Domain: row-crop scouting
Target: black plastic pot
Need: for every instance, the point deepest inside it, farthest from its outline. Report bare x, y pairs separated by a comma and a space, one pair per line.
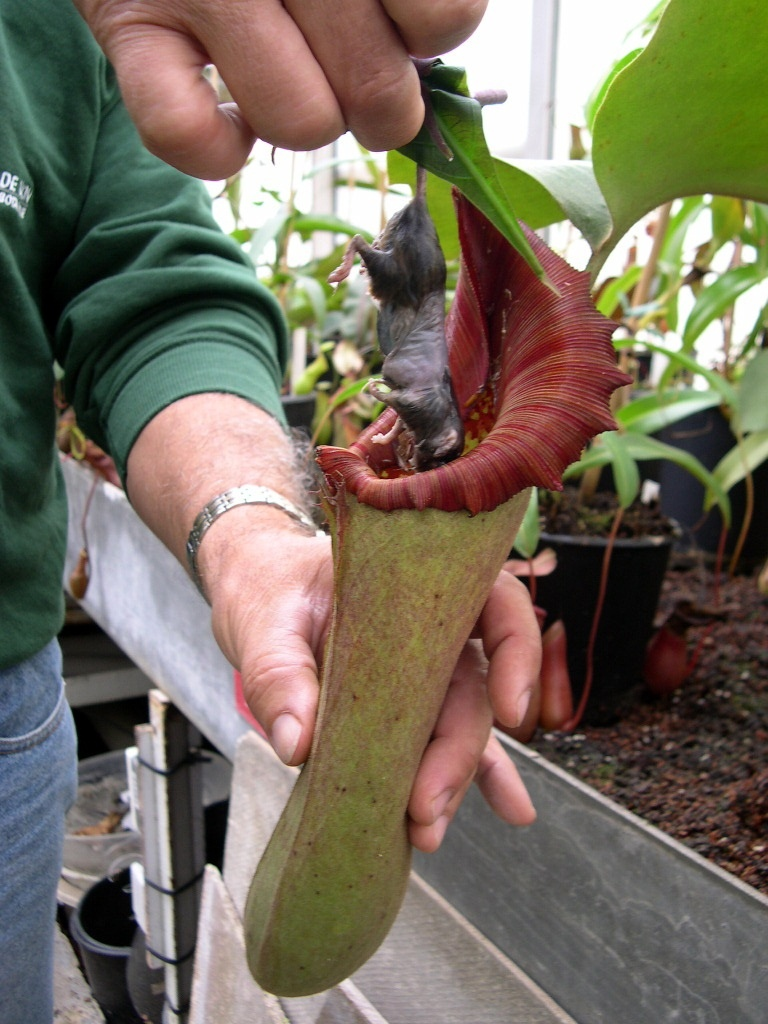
146, 985
299, 411
103, 927
570, 593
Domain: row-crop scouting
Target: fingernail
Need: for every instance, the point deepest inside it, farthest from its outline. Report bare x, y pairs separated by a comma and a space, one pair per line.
522, 707
440, 803
285, 736
440, 828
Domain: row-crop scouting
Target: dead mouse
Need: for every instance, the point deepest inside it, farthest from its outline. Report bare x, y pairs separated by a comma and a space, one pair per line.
407, 273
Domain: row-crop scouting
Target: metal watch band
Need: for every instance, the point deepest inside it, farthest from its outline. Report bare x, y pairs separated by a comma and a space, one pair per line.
248, 494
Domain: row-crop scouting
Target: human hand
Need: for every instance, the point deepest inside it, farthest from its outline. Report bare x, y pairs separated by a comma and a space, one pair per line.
278, 639
298, 72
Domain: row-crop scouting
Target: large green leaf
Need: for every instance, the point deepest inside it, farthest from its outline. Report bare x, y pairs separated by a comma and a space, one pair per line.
595, 101
548, 191
689, 115
544, 192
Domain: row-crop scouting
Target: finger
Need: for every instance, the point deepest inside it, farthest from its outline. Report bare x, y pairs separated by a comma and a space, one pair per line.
512, 643
368, 67
429, 29
275, 637
427, 836
174, 108
499, 781
452, 756
274, 74
280, 685
504, 791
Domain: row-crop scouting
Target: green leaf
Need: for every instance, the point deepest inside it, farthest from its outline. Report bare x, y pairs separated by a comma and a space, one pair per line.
686, 116
269, 232
743, 458
671, 257
471, 168
592, 105
643, 448
315, 295
594, 458
754, 338
527, 539
652, 413
716, 298
601, 453
534, 203
685, 213
241, 235
617, 292
545, 192
756, 231
727, 219
312, 374
626, 475
620, 449
306, 224
548, 191
753, 394
715, 380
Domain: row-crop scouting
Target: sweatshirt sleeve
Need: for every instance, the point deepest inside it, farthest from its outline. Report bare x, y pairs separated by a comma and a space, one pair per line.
156, 302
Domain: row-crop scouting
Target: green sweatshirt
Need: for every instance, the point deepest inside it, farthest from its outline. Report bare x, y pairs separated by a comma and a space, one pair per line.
112, 266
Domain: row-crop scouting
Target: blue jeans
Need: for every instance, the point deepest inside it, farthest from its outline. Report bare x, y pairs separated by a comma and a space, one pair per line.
38, 782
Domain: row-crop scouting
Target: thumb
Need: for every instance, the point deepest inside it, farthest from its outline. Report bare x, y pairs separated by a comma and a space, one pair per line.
280, 686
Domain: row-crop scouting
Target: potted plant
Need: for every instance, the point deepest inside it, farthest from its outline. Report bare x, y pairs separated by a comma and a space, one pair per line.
720, 428
706, 265
606, 198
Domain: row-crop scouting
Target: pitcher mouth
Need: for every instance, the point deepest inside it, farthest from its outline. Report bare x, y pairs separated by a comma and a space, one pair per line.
533, 368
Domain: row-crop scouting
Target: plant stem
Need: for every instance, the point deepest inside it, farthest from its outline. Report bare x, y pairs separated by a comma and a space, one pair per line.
746, 522
571, 724
643, 286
